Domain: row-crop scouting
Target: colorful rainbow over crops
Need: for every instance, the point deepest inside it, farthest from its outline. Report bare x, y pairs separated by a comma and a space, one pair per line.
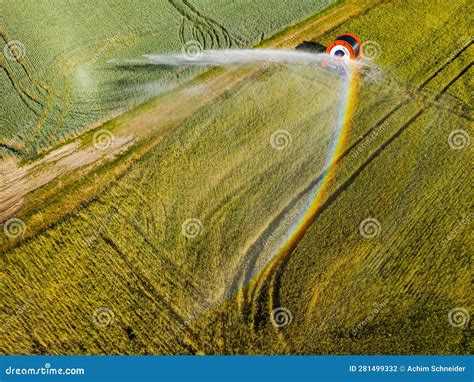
316, 197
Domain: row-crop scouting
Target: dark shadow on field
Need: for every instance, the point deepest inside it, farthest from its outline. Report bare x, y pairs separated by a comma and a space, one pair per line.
128, 86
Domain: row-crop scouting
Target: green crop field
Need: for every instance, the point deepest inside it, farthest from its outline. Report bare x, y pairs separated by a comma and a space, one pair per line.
185, 249
59, 87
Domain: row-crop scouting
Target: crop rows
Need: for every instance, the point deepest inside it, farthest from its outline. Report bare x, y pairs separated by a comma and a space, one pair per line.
139, 222
62, 87
266, 293
180, 247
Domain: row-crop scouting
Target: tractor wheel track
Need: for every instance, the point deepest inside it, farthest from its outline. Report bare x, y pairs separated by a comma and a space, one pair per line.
204, 26
189, 340
244, 276
274, 274
450, 83
270, 280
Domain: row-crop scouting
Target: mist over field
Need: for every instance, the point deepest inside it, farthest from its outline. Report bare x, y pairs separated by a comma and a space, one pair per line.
197, 177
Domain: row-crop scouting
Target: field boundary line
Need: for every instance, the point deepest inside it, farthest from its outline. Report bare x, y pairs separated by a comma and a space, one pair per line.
141, 145
272, 274
450, 83
445, 64
155, 296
